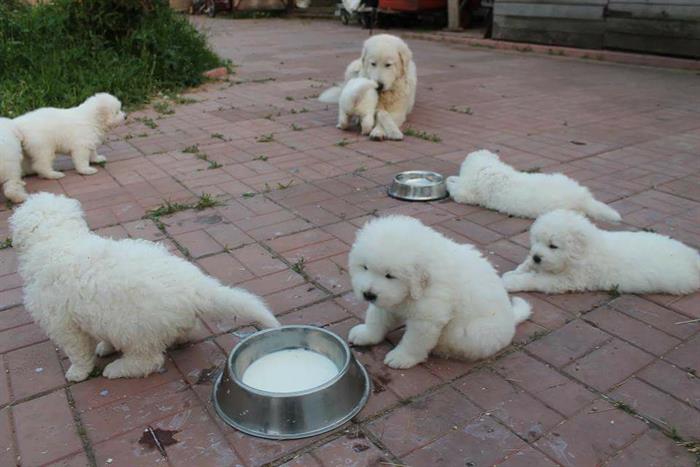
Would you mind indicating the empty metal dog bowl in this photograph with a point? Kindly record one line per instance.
(418, 185)
(291, 415)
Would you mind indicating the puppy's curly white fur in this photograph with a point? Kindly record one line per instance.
(77, 131)
(568, 253)
(486, 181)
(127, 295)
(448, 295)
(358, 99)
(11, 161)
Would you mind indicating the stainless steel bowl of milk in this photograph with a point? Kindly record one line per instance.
(290, 382)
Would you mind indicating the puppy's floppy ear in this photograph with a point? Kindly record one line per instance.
(363, 59)
(418, 279)
(577, 243)
(405, 57)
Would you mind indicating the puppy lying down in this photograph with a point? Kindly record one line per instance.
(486, 181)
(126, 295)
(358, 99)
(568, 253)
(448, 295)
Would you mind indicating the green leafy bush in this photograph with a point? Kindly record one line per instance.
(58, 54)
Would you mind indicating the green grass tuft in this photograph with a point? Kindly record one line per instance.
(432, 137)
(59, 53)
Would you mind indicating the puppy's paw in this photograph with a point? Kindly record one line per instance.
(363, 335)
(377, 133)
(99, 159)
(77, 373)
(53, 175)
(397, 358)
(394, 135)
(513, 282)
(104, 348)
(87, 171)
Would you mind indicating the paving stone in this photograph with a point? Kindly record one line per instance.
(668, 412)
(34, 369)
(653, 449)
(351, 451)
(568, 343)
(8, 455)
(609, 365)
(681, 384)
(638, 333)
(544, 383)
(482, 442)
(592, 436)
(45, 429)
(519, 411)
(422, 421)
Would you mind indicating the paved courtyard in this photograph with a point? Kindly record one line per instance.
(592, 379)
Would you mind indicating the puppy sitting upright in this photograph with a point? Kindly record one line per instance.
(569, 253)
(486, 181)
(448, 295)
(358, 99)
(127, 295)
(77, 131)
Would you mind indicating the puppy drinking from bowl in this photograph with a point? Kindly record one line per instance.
(448, 295)
(568, 254)
(127, 295)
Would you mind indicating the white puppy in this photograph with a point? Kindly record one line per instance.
(127, 295)
(387, 60)
(486, 181)
(77, 131)
(448, 295)
(11, 161)
(568, 253)
(358, 99)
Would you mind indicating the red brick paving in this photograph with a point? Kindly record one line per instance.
(591, 380)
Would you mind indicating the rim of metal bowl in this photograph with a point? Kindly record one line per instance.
(358, 406)
(416, 198)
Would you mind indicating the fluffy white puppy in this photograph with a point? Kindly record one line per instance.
(127, 295)
(568, 253)
(448, 295)
(486, 181)
(358, 99)
(11, 161)
(77, 131)
(388, 60)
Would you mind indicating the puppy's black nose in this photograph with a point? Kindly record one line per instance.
(380, 86)
(369, 296)
(537, 259)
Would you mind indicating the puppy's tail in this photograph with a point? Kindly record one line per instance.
(225, 301)
(601, 211)
(330, 95)
(521, 309)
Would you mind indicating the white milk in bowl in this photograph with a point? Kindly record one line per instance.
(289, 370)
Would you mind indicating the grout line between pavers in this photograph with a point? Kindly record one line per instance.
(80, 428)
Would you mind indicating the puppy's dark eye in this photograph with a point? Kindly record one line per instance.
(553, 246)
(373, 64)
(389, 276)
(388, 65)
(364, 267)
